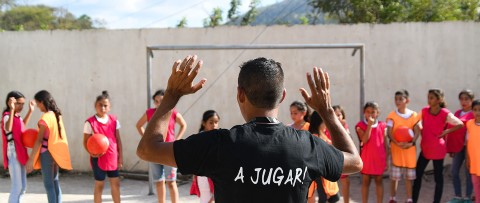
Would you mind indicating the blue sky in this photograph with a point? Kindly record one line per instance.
(124, 14)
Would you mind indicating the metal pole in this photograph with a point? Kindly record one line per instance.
(362, 80)
(149, 103)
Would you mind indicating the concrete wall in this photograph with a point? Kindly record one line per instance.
(75, 66)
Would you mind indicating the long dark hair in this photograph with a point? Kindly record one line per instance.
(207, 115)
(14, 94)
(315, 122)
(47, 100)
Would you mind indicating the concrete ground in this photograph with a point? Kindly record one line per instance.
(77, 188)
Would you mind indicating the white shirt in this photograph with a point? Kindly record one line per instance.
(87, 128)
(408, 113)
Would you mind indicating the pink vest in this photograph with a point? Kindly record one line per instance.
(109, 161)
(433, 147)
(373, 152)
(456, 140)
(17, 129)
(171, 124)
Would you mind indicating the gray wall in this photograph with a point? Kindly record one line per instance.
(75, 66)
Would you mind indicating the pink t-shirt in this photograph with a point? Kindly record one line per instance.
(373, 152)
(433, 147)
(45, 136)
(171, 124)
(456, 140)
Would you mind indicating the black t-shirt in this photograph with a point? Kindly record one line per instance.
(259, 162)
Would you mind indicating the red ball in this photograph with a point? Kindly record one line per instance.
(97, 144)
(28, 137)
(403, 134)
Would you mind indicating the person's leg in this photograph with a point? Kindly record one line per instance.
(395, 176)
(17, 176)
(468, 179)
(456, 165)
(365, 187)
(345, 181)
(409, 177)
(204, 188)
(438, 171)
(48, 174)
(170, 179)
(158, 175)
(422, 163)
(476, 187)
(379, 188)
(98, 191)
(115, 189)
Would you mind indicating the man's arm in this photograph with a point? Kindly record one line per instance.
(320, 100)
(152, 147)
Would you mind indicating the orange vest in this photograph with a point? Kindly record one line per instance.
(472, 146)
(330, 188)
(404, 158)
(57, 146)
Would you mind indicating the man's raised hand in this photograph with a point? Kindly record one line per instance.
(320, 91)
(184, 72)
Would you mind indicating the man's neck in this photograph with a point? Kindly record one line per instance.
(259, 112)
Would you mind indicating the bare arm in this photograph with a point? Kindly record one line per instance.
(31, 107)
(140, 124)
(85, 139)
(452, 120)
(320, 101)
(152, 146)
(9, 124)
(36, 147)
(183, 126)
(119, 149)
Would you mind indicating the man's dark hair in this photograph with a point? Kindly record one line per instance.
(262, 81)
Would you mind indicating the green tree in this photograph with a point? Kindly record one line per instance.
(182, 23)
(251, 14)
(304, 20)
(42, 17)
(233, 12)
(388, 11)
(215, 19)
(7, 4)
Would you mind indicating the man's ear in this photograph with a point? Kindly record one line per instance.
(240, 95)
(284, 94)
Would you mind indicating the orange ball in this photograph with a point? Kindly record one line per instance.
(97, 144)
(28, 137)
(403, 134)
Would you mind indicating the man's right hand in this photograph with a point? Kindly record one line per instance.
(180, 82)
(320, 88)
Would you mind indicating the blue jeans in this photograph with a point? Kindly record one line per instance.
(18, 175)
(457, 162)
(50, 177)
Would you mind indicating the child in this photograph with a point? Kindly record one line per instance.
(203, 186)
(473, 152)
(50, 151)
(433, 129)
(403, 153)
(344, 179)
(371, 133)
(106, 164)
(14, 153)
(456, 146)
(327, 191)
(298, 113)
(161, 173)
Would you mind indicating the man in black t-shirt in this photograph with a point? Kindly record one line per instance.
(262, 160)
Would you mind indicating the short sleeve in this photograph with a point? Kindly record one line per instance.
(330, 160)
(118, 126)
(389, 122)
(197, 154)
(5, 120)
(87, 128)
(453, 120)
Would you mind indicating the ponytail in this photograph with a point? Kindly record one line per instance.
(47, 100)
(440, 96)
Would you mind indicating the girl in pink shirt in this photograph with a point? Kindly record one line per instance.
(108, 163)
(371, 132)
(433, 125)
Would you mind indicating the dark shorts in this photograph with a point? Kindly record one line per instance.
(100, 174)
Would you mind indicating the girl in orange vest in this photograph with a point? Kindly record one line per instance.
(299, 114)
(327, 191)
(371, 132)
(50, 151)
(473, 151)
(403, 151)
(106, 164)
